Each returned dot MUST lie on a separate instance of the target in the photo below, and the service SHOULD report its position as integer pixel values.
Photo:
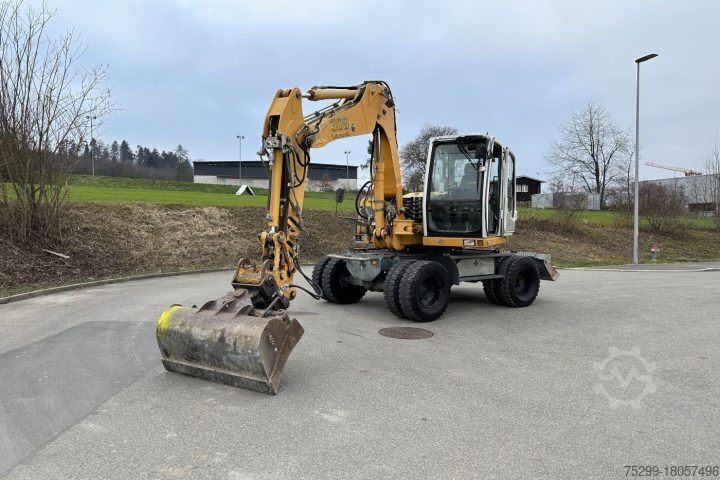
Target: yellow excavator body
(450, 233)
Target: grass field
(112, 190)
(86, 189)
(607, 218)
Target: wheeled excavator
(411, 247)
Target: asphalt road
(606, 369)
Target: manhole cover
(405, 333)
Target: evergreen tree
(114, 151)
(126, 155)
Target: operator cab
(469, 188)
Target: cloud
(200, 72)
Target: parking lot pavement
(605, 369)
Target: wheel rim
(430, 293)
(523, 284)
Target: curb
(640, 270)
(106, 281)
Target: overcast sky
(199, 73)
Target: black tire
(335, 283)
(492, 291)
(492, 287)
(424, 291)
(391, 287)
(317, 273)
(521, 283)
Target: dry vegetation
(585, 243)
(116, 240)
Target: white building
(701, 191)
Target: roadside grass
(118, 237)
(608, 218)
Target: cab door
(509, 202)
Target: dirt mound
(111, 240)
(114, 240)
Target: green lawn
(148, 184)
(86, 189)
(602, 217)
(606, 217)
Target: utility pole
(347, 168)
(240, 139)
(636, 207)
(92, 145)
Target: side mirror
(339, 195)
(481, 152)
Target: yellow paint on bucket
(164, 320)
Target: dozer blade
(228, 341)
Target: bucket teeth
(228, 341)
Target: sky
(201, 72)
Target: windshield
(455, 190)
(455, 174)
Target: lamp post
(240, 139)
(636, 208)
(347, 168)
(92, 145)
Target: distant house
(321, 176)
(526, 188)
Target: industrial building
(321, 176)
(702, 192)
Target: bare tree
(46, 103)
(661, 204)
(413, 155)
(592, 148)
(567, 201)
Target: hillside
(109, 240)
(114, 240)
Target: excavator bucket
(228, 341)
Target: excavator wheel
(521, 283)
(492, 287)
(317, 273)
(391, 287)
(492, 291)
(335, 284)
(424, 291)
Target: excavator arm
(287, 140)
(245, 338)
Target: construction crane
(686, 171)
(411, 247)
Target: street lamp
(240, 139)
(636, 212)
(92, 145)
(347, 168)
